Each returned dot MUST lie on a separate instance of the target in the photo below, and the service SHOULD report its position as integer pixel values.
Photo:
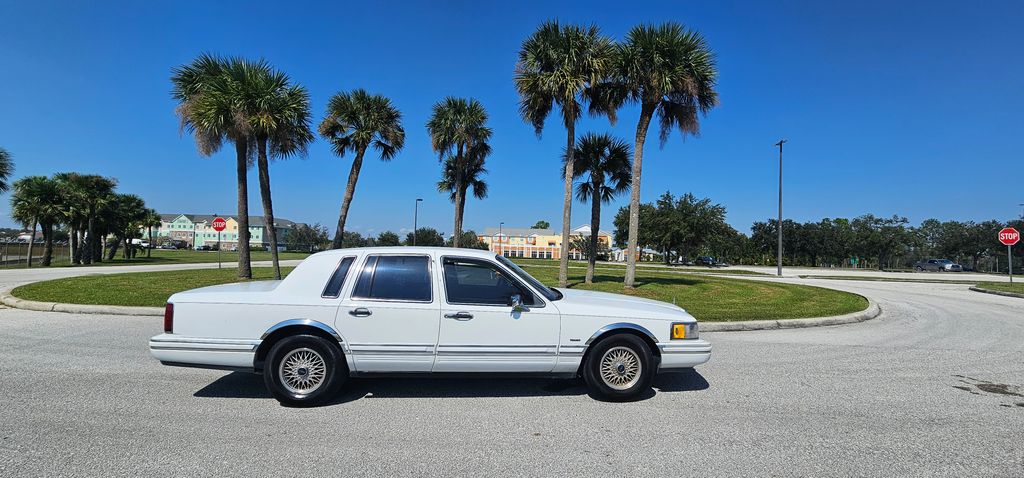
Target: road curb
(869, 313)
(11, 301)
(997, 292)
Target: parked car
(938, 265)
(705, 261)
(366, 311)
(169, 246)
(203, 247)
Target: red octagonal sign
(1009, 236)
(220, 224)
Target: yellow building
(535, 243)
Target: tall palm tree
(84, 195)
(151, 220)
(605, 164)
(211, 106)
(669, 71)
(36, 201)
(355, 121)
(279, 118)
(458, 130)
(560, 65)
(27, 205)
(457, 178)
(6, 170)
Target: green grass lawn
(134, 288)
(1017, 287)
(708, 298)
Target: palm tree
(560, 65)
(457, 182)
(36, 201)
(605, 161)
(355, 121)
(151, 220)
(6, 170)
(279, 118)
(668, 70)
(211, 106)
(458, 130)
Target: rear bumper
(204, 352)
(684, 354)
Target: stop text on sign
(219, 224)
(1009, 236)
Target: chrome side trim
(309, 322)
(198, 349)
(621, 325)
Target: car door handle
(360, 312)
(459, 316)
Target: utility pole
(779, 253)
(499, 237)
(415, 219)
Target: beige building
(535, 243)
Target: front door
(480, 331)
(391, 317)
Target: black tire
(303, 350)
(629, 343)
(919, 269)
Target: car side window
(333, 287)
(405, 278)
(469, 281)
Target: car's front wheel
(619, 367)
(304, 370)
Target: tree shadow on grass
(249, 385)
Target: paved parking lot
(932, 387)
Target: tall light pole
(415, 219)
(1021, 211)
(499, 236)
(779, 253)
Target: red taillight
(169, 318)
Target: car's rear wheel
(619, 367)
(919, 269)
(304, 370)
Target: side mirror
(516, 301)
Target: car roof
(481, 253)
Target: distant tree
(35, 202)
(469, 240)
(353, 239)
(559, 65)
(151, 220)
(425, 236)
(6, 170)
(541, 225)
(459, 135)
(355, 121)
(388, 238)
(309, 237)
(604, 168)
(125, 214)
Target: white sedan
(392, 310)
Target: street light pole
(499, 237)
(779, 252)
(415, 219)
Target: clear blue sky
(910, 108)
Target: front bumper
(174, 349)
(684, 353)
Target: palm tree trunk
(462, 214)
(90, 240)
(350, 190)
(149, 249)
(646, 112)
(595, 226)
(563, 260)
(47, 244)
(241, 170)
(31, 240)
(81, 246)
(460, 203)
(268, 206)
(72, 244)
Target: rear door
(480, 331)
(391, 315)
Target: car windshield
(551, 294)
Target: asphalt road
(930, 388)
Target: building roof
(208, 218)
(525, 232)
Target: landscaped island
(712, 299)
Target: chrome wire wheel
(302, 371)
(620, 368)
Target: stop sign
(1009, 236)
(219, 224)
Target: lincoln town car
(401, 310)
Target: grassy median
(708, 298)
(1017, 287)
